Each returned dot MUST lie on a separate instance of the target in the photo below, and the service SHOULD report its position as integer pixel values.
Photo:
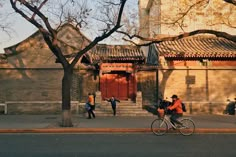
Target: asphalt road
(117, 145)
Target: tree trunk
(66, 97)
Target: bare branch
(49, 35)
(231, 1)
(42, 16)
(41, 5)
(35, 23)
(228, 23)
(111, 3)
(179, 21)
(100, 38)
(149, 41)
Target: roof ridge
(198, 47)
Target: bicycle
(160, 125)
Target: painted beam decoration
(108, 67)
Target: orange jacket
(177, 106)
(91, 100)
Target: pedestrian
(113, 101)
(230, 108)
(91, 106)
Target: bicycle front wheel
(187, 128)
(159, 127)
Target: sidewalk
(50, 124)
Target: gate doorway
(115, 84)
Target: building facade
(31, 78)
(168, 17)
(200, 69)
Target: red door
(123, 88)
(115, 85)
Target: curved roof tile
(116, 53)
(198, 47)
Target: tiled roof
(198, 47)
(116, 53)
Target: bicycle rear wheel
(187, 128)
(159, 127)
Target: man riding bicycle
(176, 110)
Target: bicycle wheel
(159, 127)
(187, 128)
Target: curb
(77, 130)
(112, 130)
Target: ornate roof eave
(200, 47)
(146, 67)
(113, 53)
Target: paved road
(116, 145)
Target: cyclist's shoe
(172, 128)
(179, 126)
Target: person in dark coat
(230, 108)
(113, 101)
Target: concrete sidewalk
(50, 124)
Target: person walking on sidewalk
(91, 106)
(113, 101)
(176, 109)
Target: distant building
(200, 69)
(161, 16)
(31, 80)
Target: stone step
(118, 108)
(124, 108)
(110, 111)
(124, 115)
(121, 112)
(122, 103)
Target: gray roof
(116, 53)
(198, 47)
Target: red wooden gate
(115, 85)
(117, 79)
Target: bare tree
(159, 39)
(231, 1)
(34, 11)
(5, 25)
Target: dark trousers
(174, 118)
(90, 112)
(114, 110)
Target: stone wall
(36, 85)
(203, 90)
(38, 107)
(201, 17)
(31, 84)
(88, 83)
(146, 83)
(206, 89)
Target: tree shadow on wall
(215, 91)
(14, 53)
